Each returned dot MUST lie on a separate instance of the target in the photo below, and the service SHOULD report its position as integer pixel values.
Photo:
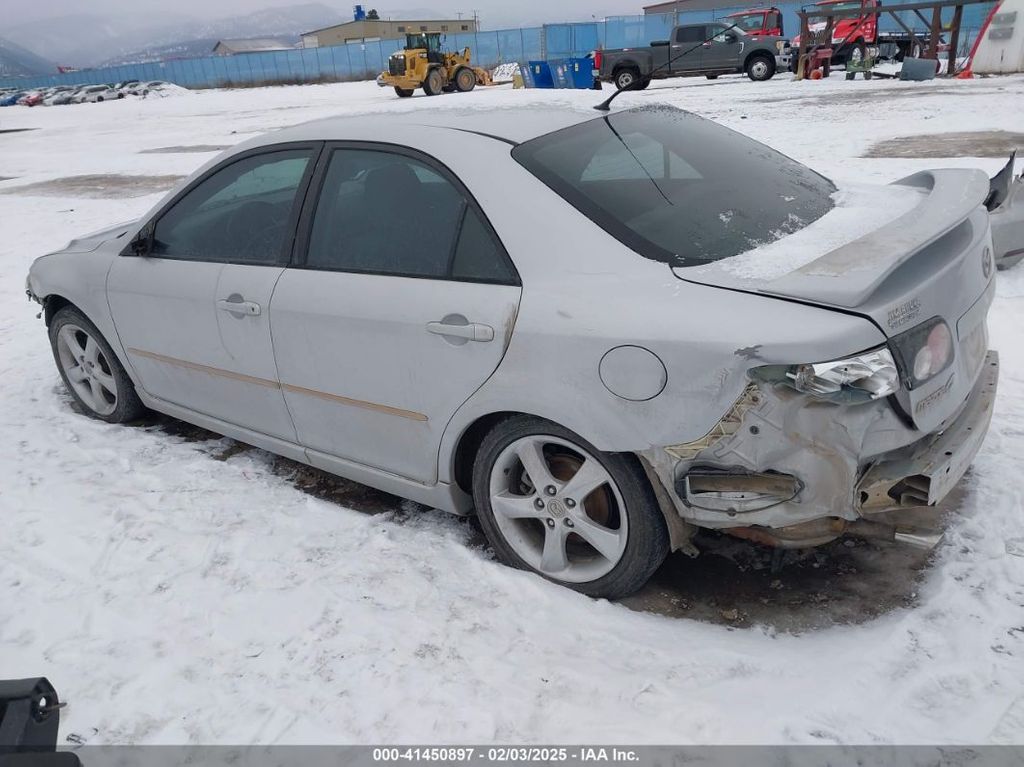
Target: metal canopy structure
(929, 48)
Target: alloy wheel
(87, 369)
(558, 508)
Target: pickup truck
(709, 49)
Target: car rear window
(675, 187)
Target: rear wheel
(761, 68)
(627, 79)
(711, 77)
(403, 92)
(465, 80)
(552, 503)
(434, 84)
(91, 371)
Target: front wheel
(434, 84)
(761, 68)
(550, 502)
(403, 93)
(91, 370)
(857, 53)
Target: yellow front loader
(423, 64)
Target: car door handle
(235, 305)
(470, 331)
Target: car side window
(718, 32)
(382, 212)
(690, 34)
(242, 213)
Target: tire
(760, 68)
(403, 93)
(711, 77)
(857, 53)
(627, 78)
(465, 80)
(540, 528)
(99, 385)
(643, 83)
(434, 82)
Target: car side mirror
(730, 37)
(142, 243)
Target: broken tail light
(864, 377)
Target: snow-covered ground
(175, 591)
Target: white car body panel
(356, 340)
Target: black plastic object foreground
(29, 715)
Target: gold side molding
(411, 415)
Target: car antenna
(605, 105)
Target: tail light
(598, 56)
(924, 351)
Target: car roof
(509, 124)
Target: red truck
(758, 22)
(852, 36)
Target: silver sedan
(559, 320)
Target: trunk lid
(931, 258)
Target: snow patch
(859, 209)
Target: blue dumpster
(580, 73)
(559, 73)
(541, 72)
(526, 72)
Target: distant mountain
(16, 61)
(92, 40)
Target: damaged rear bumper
(785, 470)
(922, 474)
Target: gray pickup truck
(709, 49)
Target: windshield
(675, 187)
(852, 6)
(752, 23)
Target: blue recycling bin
(541, 74)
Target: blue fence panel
(362, 61)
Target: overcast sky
(493, 13)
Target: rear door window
(690, 35)
(383, 212)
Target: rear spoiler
(848, 275)
(999, 185)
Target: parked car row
(59, 95)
